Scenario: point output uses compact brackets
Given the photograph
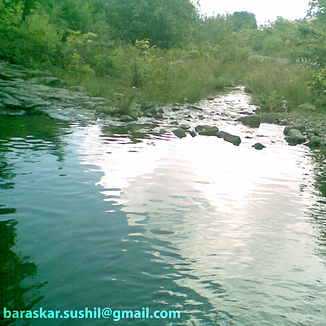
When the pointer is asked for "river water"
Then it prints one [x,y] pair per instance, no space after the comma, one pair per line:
[224,234]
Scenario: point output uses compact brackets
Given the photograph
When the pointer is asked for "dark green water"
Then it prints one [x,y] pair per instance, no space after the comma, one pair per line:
[226,235]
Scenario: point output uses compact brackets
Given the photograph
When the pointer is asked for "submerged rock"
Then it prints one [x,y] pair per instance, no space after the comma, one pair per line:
[252,121]
[207,130]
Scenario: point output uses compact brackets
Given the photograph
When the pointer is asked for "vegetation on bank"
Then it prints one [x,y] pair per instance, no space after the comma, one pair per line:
[165,51]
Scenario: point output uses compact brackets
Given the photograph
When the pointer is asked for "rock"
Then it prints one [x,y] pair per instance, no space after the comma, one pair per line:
[268,118]
[207,130]
[258,146]
[193,133]
[235,140]
[49,81]
[295,137]
[185,127]
[147,106]
[252,121]
[126,118]
[179,133]
[301,128]
[248,90]
[316,141]
[307,106]
[9,75]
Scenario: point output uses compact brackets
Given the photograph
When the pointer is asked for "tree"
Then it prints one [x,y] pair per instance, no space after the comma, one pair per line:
[243,20]
[166,23]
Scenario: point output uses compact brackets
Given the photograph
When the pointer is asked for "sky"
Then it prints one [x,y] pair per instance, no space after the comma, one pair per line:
[265,11]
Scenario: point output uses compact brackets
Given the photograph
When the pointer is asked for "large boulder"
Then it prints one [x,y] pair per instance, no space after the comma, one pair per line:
[252,120]
[207,130]
[295,137]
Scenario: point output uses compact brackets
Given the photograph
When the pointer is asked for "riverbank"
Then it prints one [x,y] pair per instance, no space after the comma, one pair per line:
[24,91]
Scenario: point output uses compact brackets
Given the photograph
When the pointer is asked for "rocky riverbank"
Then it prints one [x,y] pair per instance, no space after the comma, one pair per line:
[24,91]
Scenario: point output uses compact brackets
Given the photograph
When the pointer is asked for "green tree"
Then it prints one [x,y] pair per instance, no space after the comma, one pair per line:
[243,20]
[166,23]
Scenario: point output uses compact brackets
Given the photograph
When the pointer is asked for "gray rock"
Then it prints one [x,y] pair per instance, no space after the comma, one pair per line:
[235,140]
[301,128]
[179,133]
[252,121]
[207,130]
[258,146]
[295,137]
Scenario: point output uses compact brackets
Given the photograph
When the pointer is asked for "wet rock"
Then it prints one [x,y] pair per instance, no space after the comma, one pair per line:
[180,133]
[235,140]
[207,130]
[193,133]
[295,137]
[258,146]
[301,128]
[252,121]
[185,127]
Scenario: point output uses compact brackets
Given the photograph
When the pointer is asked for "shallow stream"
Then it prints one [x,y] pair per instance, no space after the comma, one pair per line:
[224,234]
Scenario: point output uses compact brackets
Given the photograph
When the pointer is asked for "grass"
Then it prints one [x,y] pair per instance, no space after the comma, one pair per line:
[128,75]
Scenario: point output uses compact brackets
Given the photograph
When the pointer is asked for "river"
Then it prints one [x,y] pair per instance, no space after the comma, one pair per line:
[224,234]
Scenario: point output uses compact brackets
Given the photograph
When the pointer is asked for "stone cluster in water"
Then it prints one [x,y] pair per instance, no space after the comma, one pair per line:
[24,91]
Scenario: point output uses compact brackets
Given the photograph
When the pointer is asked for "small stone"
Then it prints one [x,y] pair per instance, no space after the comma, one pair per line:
[258,146]
[179,133]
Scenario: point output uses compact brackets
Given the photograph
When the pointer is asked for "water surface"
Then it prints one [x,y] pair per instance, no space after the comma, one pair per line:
[227,235]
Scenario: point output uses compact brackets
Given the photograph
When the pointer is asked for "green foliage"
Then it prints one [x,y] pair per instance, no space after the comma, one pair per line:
[165,23]
[243,20]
